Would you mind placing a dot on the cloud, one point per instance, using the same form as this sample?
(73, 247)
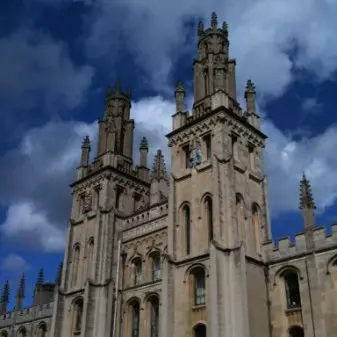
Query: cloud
(14, 262)
(36, 71)
(34, 178)
(311, 105)
(268, 38)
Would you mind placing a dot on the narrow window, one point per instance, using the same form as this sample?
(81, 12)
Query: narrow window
(251, 151)
(154, 317)
(292, 290)
(119, 192)
(199, 287)
(187, 223)
(42, 330)
(209, 217)
(208, 146)
(22, 332)
(77, 317)
(155, 266)
(206, 82)
(135, 320)
(235, 147)
(90, 256)
(187, 152)
(240, 217)
(200, 330)
(137, 270)
(75, 265)
(256, 220)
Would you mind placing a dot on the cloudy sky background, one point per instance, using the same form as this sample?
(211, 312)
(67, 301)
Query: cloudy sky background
(56, 57)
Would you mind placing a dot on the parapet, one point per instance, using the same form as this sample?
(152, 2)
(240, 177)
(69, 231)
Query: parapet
(287, 248)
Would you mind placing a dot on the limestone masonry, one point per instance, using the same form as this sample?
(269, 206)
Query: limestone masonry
(189, 253)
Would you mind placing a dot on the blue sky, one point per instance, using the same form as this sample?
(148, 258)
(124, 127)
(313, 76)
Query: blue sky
(56, 57)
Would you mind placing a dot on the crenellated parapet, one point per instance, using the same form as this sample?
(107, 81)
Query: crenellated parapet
(286, 248)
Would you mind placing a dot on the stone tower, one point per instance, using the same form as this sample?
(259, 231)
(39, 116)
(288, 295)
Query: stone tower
(106, 190)
(218, 221)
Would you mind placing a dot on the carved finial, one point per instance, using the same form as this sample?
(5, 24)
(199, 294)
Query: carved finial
(306, 197)
(159, 167)
(5, 293)
(180, 86)
(144, 144)
(250, 87)
(225, 27)
(21, 289)
(59, 274)
(200, 28)
(86, 142)
(40, 278)
(214, 21)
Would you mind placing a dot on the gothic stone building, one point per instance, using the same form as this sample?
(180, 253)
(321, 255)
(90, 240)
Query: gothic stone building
(190, 253)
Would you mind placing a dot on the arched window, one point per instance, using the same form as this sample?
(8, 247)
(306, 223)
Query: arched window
(187, 224)
(42, 330)
(155, 266)
(240, 217)
(75, 265)
(296, 331)
(90, 254)
(209, 216)
(4, 334)
(135, 319)
(154, 316)
(137, 265)
(22, 332)
(200, 330)
(77, 317)
(199, 286)
(292, 289)
(256, 221)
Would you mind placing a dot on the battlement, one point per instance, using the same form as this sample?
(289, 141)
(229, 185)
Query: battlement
(26, 315)
(287, 248)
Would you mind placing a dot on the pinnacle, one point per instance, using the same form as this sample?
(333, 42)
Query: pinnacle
(306, 197)
(180, 86)
(214, 21)
(159, 167)
(200, 28)
(250, 86)
(144, 144)
(21, 289)
(5, 293)
(40, 278)
(86, 141)
(225, 27)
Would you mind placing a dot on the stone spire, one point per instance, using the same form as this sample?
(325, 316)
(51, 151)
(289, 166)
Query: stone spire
(200, 28)
(250, 97)
(4, 300)
(20, 294)
(59, 275)
(159, 168)
(307, 205)
(180, 97)
(306, 197)
(85, 151)
(214, 21)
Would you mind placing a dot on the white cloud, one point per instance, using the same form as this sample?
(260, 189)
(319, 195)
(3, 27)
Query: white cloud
(261, 34)
(14, 262)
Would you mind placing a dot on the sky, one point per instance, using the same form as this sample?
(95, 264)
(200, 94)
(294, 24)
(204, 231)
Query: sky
(57, 56)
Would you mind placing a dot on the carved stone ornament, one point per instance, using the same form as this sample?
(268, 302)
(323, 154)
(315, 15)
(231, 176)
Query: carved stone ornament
(87, 202)
(195, 154)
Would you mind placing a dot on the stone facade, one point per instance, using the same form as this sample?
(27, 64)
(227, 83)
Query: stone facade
(187, 253)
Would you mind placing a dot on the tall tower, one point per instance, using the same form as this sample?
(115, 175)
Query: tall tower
(106, 190)
(218, 217)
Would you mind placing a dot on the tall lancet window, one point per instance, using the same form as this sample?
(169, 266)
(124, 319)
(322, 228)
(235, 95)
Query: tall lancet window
(75, 265)
(186, 214)
(199, 286)
(154, 303)
(77, 317)
(90, 255)
(135, 319)
(240, 217)
(292, 289)
(42, 330)
(256, 220)
(155, 259)
(137, 265)
(209, 216)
